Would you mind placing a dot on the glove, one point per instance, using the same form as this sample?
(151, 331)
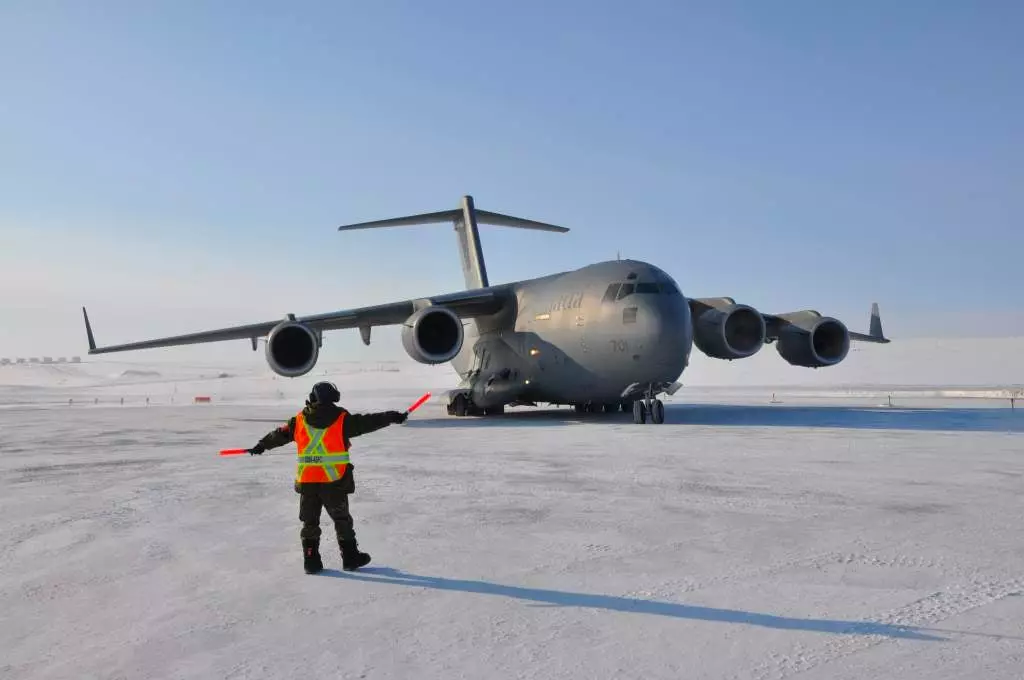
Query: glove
(256, 450)
(397, 417)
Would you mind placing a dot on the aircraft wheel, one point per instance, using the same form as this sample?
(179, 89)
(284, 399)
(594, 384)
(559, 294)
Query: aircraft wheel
(494, 410)
(461, 406)
(626, 406)
(639, 413)
(657, 412)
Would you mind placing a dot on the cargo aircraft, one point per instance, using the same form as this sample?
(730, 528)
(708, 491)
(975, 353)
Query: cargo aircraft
(608, 336)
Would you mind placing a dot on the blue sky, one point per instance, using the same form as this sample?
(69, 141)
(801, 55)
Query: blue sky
(177, 166)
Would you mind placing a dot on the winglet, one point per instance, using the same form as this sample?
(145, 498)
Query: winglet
(875, 329)
(88, 331)
(874, 333)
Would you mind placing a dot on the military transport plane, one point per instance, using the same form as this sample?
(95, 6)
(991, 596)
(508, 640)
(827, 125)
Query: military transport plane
(611, 335)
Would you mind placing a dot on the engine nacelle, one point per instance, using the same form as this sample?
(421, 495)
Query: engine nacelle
(730, 332)
(433, 335)
(292, 349)
(814, 342)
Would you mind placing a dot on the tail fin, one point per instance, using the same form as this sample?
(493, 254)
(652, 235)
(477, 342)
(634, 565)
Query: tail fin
(465, 219)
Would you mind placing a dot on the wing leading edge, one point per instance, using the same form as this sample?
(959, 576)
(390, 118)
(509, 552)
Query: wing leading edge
(466, 305)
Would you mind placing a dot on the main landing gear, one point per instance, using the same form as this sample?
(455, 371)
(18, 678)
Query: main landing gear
(460, 404)
(648, 406)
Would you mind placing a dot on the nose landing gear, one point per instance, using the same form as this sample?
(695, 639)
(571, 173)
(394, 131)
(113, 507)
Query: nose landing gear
(648, 406)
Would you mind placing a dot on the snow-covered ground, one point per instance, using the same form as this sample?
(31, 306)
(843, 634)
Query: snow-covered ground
(826, 536)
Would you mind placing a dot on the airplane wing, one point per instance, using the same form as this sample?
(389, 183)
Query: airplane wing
(874, 334)
(466, 304)
(774, 323)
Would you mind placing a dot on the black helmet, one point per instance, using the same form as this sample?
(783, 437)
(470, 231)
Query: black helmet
(324, 393)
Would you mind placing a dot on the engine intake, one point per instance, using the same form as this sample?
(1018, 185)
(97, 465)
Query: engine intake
(730, 332)
(292, 349)
(814, 343)
(433, 335)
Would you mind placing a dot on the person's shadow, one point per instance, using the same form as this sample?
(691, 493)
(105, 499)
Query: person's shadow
(558, 598)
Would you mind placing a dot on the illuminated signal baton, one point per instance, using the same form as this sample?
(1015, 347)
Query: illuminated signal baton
(233, 452)
(419, 402)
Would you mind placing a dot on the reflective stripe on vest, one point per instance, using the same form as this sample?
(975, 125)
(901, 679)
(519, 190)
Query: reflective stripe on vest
(322, 456)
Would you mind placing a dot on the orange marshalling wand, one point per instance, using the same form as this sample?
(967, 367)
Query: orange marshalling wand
(419, 402)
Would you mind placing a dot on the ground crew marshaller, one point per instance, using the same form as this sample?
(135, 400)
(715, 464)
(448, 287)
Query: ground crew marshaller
(324, 478)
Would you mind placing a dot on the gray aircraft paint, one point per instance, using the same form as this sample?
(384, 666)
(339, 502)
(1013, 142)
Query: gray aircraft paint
(553, 339)
(567, 344)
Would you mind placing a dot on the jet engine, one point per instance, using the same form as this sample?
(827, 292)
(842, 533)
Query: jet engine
(433, 335)
(292, 349)
(814, 341)
(729, 332)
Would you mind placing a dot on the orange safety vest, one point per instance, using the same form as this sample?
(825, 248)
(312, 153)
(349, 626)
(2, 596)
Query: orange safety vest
(322, 454)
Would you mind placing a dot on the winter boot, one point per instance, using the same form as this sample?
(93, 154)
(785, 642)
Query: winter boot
(351, 558)
(311, 557)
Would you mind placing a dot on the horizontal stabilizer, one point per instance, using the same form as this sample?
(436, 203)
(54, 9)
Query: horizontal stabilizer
(449, 216)
(465, 219)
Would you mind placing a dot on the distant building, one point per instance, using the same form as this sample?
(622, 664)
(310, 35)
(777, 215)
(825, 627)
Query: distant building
(47, 360)
(20, 360)
(76, 360)
(4, 361)
(33, 360)
(62, 360)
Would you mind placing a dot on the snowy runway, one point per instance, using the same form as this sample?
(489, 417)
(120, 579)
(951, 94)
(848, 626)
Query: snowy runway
(744, 541)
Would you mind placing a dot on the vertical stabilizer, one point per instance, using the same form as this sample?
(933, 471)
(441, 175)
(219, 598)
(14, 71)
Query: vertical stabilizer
(473, 267)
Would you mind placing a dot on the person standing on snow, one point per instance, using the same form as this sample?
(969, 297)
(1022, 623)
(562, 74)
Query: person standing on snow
(324, 478)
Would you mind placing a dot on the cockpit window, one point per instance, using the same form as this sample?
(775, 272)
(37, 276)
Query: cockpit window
(617, 291)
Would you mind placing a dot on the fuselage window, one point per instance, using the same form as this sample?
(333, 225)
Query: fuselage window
(609, 294)
(625, 291)
(648, 288)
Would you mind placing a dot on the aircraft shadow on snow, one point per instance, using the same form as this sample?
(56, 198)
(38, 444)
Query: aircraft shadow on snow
(753, 415)
(559, 598)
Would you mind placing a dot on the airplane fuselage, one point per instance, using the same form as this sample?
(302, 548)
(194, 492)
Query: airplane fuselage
(579, 337)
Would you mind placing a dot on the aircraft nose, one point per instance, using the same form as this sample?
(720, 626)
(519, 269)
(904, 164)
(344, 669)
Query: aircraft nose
(662, 328)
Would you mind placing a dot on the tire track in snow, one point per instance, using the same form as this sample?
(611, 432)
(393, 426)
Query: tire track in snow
(932, 609)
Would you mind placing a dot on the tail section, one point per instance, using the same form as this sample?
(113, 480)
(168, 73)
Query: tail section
(465, 219)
